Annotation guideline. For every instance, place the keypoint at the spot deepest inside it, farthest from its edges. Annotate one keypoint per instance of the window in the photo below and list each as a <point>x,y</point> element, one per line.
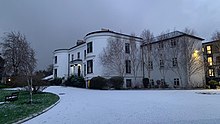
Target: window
<point>128,66</point>
<point>55,73</point>
<point>128,83</point>
<point>149,47</point>
<point>210,61</point>
<point>173,43</point>
<point>89,66</point>
<point>176,82</point>
<point>174,60</point>
<point>211,72</point>
<point>209,49</point>
<point>162,81</point>
<point>150,65</point>
<point>152,82</point>
<point>127,48</point>
<point>160,45</point>
<point>89,47</point>
<point>161,63</point>
<point>218,60</point>
<point>55,60</point>
<point>78,55</point>
<point>84,69</point>
<point>72,57</point>
<point>84,54</point>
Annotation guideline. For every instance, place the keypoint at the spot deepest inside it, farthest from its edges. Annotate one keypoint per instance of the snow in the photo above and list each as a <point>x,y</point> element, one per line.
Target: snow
<point>84,106</point>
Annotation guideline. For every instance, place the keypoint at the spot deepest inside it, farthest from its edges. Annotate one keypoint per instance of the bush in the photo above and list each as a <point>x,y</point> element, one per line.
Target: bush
<point>213,84</point>
<point>98,83</point>
<point>75,81</point>
<point>146,82</point>
<point>3,86</point>
<point>116,82</point>
<point>56,81</point>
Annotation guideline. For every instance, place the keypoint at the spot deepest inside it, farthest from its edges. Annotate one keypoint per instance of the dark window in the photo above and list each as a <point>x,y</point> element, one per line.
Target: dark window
<point>176,82</point>
<point>173,43</point>
<point>218,60</point>
<point>160,45</point>
<point>84,54</point>
<point>152,82</point>
<point>89,47</point>
<point>128,66</point>
<point>55,73</point>
<point>89,66</point>
<point>78,55</point>
<point>72,57</point>
<point>150,65</point>
<point>161,63</point>
<point>84,69</point>
<point>127,48</point>
<point>174,60</point>
<point>55,60</point>
<point>128,83</point>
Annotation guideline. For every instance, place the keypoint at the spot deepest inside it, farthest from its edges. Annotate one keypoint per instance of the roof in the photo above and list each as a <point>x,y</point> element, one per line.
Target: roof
<point>108,31</point>
<point>209,42</point>
<point>172,35</point>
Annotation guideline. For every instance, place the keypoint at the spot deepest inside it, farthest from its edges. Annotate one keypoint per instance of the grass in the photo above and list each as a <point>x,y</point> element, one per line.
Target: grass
<point>20,109</point>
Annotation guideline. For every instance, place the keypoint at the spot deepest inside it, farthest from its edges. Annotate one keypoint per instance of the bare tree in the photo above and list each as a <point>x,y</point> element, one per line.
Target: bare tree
<point>135,57</point>
<point>148,38</point>
<point>113,56</point>
<point>216,35</point>
<point>19,57</point>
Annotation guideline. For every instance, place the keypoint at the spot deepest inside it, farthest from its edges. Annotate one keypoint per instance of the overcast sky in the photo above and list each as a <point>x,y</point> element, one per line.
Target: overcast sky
<point>53,24</point>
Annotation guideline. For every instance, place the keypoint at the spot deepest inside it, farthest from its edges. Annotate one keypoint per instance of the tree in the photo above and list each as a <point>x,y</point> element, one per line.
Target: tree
<point>216,35</point>
<point>148,38</point>
<point>113,56</point>
<point>135,56</point>
<point>19,57</point>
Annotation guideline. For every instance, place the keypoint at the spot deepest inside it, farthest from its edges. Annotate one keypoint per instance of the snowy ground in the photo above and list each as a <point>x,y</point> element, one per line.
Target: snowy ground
<point>83,106</point>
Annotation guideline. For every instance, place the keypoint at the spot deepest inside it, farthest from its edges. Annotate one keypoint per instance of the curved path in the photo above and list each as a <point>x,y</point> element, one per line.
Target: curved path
<point>84,106</point>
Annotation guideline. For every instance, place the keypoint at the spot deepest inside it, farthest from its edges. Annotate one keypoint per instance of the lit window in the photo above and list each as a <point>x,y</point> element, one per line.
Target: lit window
<point>202,49</point>
<point>211,72</point>
<point>210,60</point>
<point>209,49</point>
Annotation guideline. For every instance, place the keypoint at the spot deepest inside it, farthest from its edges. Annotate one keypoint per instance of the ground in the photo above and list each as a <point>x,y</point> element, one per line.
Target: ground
<point>84,106</point>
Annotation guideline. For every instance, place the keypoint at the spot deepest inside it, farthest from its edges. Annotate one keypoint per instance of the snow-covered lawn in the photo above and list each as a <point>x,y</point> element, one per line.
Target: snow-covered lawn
<point>83,106</point>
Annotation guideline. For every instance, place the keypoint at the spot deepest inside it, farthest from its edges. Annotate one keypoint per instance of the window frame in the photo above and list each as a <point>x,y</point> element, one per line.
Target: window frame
<point>89,66</point>
<point>128,66</point>
<point>89,47</point>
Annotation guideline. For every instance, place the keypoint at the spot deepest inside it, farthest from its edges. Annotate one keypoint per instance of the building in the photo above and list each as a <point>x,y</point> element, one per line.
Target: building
<point>174,59</point>
<point>211,53</point>
<point>84,58</point>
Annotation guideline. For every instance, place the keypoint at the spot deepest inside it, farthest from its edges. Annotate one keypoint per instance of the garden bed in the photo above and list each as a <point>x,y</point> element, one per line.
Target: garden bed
<point>20,109</point>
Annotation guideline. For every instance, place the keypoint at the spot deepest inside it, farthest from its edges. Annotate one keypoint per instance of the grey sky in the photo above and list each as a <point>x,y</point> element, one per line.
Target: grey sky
<point>52,24</point>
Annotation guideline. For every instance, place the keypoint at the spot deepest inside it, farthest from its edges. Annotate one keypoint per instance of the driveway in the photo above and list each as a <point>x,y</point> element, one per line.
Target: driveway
<point>84,106</point>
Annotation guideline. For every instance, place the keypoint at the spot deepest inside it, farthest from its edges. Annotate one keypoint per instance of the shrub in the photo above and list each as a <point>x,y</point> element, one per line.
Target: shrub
<point>213,84</point>
<point>75,81</point>
<point>116,82</point>
<point>146,82</point>
<point>98,83</point>
<point>56,81</point>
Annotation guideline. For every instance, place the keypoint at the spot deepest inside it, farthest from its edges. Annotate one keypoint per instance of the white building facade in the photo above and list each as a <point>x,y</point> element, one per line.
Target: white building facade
<point>174,59</point>
<point>84,58</point>
<point>160,61</point>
